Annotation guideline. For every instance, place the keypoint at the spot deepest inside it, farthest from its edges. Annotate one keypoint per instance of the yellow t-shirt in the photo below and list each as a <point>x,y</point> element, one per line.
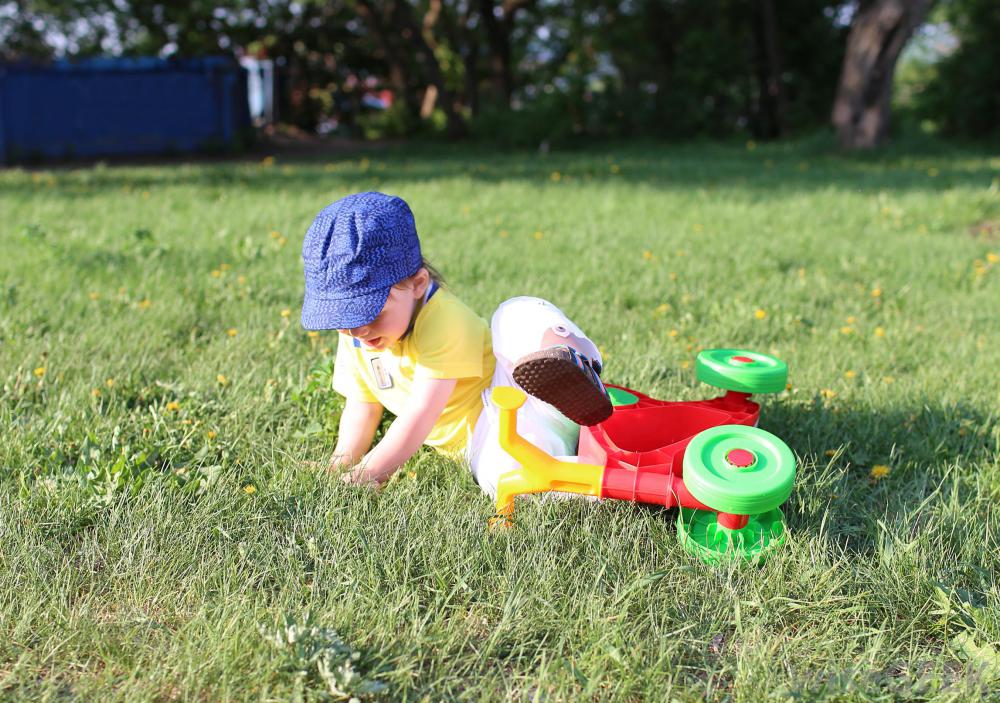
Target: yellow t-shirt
<point>448,340</point>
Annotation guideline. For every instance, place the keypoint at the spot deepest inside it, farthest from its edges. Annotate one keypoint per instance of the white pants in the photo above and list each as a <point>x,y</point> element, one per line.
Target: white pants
<point>518,326</point>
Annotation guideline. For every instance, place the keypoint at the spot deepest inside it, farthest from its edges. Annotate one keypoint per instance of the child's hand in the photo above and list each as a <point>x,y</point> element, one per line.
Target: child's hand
<point>359,476</point>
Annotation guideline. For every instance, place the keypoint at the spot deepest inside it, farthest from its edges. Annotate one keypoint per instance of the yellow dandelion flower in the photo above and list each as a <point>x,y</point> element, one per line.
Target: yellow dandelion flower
<point>662,308</point>
<point>224,267</point>
<point>324,350</point>
<point>876,292</point>
<point>222,380</point>
<point>879,471</point>
<point>96,392</point>
<point>173,406</point>
<point>40,371</point>
<point>698,227</point>
<point>249,489</point>
<point>273,234</point>
<point>802,272</point>
<point>827,393</point>
<point>211,434</point>
<point>555,176</point>
<point>889,379</point>
<point>615,168</point>
<point>831,452</point>
<point>751,145</point>
<point>849,374</point>
<point>110,383</point>
<point>313,334</point>
<point>673,333</point>
<point>603,352</point>
<point>94,295</point>
<point>847,329</point>
<point>267,161</point>
<point>879,332</point>
<point>286,312</point>
<point>216,273</point>
<point>993,257</point>
<point>411,474</point>
<point>465,210</point>
<point>685,364</point>
<point>145,304</point>
<point>760,313</point>
<point>145,195</point>
<point>851,319</point>
<point>241,280</point>
<point>232,332</point>
<point>647,255</point>
<point>282,241</point>
<point>672,275</point>
<point>539,234</point>
<point>504,234</point>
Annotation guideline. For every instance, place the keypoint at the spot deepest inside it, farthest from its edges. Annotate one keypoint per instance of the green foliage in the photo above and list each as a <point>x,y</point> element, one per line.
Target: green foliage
<point>963,93</point>
<point>317,656</point>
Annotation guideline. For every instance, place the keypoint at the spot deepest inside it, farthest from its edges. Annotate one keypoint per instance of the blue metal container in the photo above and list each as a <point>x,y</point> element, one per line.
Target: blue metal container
<point>105,107</point>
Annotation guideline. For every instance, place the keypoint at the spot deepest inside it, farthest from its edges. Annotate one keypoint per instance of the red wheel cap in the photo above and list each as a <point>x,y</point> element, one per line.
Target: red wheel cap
<point>741,458</point>
<point>742,359</point>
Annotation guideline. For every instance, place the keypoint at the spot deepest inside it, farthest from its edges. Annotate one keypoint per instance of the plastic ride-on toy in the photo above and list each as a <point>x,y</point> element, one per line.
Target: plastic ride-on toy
<point>706,457</point>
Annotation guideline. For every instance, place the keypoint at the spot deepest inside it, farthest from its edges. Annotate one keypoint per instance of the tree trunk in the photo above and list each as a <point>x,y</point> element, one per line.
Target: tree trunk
<point>772,93</point>
<point>879,32</point>
<point>499,27</point>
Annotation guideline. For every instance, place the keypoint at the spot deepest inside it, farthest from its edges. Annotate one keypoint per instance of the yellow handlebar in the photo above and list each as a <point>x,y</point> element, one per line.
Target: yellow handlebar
<point>538,472</point>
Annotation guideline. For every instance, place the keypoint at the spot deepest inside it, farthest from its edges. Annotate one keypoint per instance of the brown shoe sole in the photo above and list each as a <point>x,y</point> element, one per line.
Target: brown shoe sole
<point>551,376</point>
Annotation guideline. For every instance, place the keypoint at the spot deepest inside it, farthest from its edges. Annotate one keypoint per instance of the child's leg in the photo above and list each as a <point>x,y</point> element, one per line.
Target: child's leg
<point>551,358</point>
<point>524,325</point>
<point>519,327</point>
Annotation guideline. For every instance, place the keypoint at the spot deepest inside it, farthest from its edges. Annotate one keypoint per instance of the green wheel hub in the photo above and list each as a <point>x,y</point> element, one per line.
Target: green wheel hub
<point>700,534</point>
<point>739,469</point>
<point>621,397</point>
<point>741,370</point>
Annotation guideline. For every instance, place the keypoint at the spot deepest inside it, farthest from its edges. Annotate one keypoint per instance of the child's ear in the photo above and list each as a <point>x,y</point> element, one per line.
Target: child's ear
<point>421,279</point>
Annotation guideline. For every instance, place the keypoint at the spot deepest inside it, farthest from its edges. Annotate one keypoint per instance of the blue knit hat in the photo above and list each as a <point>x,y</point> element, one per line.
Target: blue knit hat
<point>355,251</point>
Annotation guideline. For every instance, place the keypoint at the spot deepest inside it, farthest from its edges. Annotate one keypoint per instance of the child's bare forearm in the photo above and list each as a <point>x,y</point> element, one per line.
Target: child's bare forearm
<point>407,432</point>
<point>355,433</point>
<point>401,441</point>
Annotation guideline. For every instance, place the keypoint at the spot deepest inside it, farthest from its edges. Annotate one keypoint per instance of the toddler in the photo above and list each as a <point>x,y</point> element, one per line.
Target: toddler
<point>407,344</point>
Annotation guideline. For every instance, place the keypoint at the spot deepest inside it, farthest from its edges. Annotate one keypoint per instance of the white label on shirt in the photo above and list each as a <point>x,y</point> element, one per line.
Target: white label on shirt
<point>382,378</point>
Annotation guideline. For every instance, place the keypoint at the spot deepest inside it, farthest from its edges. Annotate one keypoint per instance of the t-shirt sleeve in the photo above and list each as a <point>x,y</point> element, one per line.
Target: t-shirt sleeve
<point>449,344</point>
<point>347,377</point>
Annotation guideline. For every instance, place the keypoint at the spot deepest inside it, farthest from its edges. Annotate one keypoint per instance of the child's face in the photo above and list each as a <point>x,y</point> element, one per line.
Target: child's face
<point>391,324</point>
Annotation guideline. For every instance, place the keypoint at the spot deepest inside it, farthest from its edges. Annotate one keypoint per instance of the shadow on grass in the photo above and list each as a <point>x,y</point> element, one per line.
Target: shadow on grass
<point>924,447</point>
<point>766,172</point>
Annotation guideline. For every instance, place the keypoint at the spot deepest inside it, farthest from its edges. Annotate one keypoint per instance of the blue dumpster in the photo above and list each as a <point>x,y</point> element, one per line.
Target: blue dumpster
<point>104,107</point>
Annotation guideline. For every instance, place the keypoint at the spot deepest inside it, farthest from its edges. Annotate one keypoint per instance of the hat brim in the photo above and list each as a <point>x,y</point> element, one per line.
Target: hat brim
<point>342,313</point>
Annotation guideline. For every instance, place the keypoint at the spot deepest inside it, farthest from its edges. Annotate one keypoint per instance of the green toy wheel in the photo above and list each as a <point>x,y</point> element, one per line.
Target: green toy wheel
<point>741,370</point>
<point>621,397</point>
<point>739,469</point>
<point>700,534</point>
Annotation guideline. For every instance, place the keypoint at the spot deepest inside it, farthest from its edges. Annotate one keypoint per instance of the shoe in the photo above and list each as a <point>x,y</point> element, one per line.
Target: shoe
<point>567,380</point>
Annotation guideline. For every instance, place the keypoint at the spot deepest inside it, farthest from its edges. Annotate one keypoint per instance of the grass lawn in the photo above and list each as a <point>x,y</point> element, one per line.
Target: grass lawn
<point>161,538</point>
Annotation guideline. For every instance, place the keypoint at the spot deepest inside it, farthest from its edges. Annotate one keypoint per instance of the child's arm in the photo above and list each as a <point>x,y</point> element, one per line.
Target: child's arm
<point>407,432</point>
<point>356,431</point>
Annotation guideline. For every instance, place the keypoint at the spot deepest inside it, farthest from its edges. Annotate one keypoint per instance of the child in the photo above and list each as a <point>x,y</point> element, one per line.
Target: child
<point>407,344</point>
